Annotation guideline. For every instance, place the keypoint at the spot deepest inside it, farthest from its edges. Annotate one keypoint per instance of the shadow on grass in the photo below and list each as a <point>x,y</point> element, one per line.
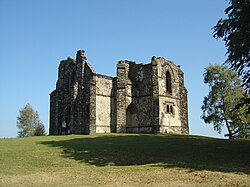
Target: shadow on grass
<point>189,152</point>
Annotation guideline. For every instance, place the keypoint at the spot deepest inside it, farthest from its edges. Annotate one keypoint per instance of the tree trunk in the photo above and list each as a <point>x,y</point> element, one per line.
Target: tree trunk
<point>229,130</point>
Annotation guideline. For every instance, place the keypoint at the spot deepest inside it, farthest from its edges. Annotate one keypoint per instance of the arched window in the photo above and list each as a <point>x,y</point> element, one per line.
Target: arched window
<point>168,83</point>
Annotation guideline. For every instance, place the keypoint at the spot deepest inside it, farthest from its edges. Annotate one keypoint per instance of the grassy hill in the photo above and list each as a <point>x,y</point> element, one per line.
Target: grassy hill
<point>124,160</point>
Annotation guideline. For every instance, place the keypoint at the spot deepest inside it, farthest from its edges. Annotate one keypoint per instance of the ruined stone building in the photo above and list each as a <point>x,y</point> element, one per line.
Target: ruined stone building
<point>143,98</point>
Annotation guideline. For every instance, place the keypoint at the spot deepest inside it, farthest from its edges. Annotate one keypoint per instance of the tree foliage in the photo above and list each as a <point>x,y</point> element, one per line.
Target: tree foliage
<point>28,122</point>
<point>220,106</point>
<point>235,31</point>
<point>39,129</point>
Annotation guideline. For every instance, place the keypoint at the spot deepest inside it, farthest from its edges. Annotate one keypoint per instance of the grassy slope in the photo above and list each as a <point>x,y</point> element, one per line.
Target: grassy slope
<point>122,159</point>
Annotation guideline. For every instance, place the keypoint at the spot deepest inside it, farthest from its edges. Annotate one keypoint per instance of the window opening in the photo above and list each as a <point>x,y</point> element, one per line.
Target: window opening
<point>168,83</point>
<point>170,109</point>
<point>167,108</point>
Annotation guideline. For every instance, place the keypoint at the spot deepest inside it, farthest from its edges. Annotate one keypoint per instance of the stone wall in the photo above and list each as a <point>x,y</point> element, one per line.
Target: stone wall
<point>183,104</point>
<point>104,104</point>
<point>62,97</point>
<point>53,129</point>
<point>139,98</point>
<point>69,110</point>
<point>134,97</point>
<point>171,98</point>
<point>155,96</point>
<point>121,83</point>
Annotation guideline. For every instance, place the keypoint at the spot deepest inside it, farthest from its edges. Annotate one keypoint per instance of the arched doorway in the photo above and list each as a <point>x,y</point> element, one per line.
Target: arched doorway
<point>131,118</point>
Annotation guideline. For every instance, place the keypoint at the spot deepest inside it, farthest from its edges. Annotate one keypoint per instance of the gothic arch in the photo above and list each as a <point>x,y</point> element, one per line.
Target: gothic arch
<point>131,118</point>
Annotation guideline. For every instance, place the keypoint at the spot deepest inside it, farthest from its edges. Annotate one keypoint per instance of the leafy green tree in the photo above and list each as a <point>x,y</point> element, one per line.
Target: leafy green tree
<point>28,123</point>
<point>219,107</point>
<point>235,31</point>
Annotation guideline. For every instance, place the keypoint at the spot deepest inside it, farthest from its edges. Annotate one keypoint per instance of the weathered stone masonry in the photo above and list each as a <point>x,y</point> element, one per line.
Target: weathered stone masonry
<point>143,98</point>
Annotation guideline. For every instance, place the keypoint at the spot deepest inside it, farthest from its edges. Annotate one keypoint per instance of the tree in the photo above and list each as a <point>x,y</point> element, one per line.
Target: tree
<point>219,107</point>
<point>28,122</point>
<point>235,31</point>
<point>39,129</point>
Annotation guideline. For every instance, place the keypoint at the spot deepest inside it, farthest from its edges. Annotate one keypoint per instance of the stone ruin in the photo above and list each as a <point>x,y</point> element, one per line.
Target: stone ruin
<point>143,98</point>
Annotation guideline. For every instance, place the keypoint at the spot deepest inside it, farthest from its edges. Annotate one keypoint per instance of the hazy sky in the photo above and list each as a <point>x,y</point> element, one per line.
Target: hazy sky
<point>35,35</point>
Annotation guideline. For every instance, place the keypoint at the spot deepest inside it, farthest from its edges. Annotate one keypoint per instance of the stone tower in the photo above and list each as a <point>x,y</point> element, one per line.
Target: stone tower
<point>143,98</point>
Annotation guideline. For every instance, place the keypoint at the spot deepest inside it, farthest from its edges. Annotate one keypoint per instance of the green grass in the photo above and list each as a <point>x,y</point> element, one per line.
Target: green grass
<point>124,160</point>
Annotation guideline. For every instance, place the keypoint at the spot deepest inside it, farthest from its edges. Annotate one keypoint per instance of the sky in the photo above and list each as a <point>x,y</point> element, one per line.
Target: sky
<point>36,35</point>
